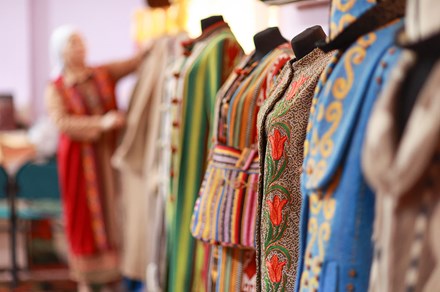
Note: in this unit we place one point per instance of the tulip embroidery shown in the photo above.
(296, 85)
(275, 269)
(276, 210)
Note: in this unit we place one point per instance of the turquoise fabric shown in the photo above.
(38, 194)
(3, 183)
(4, 209)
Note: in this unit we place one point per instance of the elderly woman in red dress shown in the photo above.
(81, 101)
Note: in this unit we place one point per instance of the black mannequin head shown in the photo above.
(158, 3)
(306, 41)
(207, 22)
(267, 40)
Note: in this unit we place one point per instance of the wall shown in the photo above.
(105, 24)
(25, 28)
(15, 74)
(294, 18)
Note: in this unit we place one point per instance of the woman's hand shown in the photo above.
(113, 120)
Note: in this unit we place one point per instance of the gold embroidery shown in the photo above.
(355, 56)
(333, 115)
(344, 7)
(322, 209)
(306, 147)
(319, 236)
(334, 111)
(343, 23)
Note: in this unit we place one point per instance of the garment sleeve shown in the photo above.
(81, 128)
(120, 69)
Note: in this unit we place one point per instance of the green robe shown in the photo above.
(207, 62)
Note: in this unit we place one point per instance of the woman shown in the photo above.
(81, 101)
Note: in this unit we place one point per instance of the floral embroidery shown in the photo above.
(277, 162)
(296, 85)
(276, 210)
(275, 268)
(277, 142)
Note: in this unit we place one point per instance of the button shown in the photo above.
(392, 51)
(172, 198)
(173, 149)
(175, 124)
(383, 64)
(309, 170)
(176, 75)
(379, 80)
(238, 185)
(350, 287)
(187, 53)
(352, 273)
(175, 100)
(171, 173)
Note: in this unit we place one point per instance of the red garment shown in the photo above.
(78, 172)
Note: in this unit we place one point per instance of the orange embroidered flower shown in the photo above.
(275, 269)
(296, 85)
(277, 142)
(276, 210)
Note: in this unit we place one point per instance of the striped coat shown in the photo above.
(204, 66)
(225, 211)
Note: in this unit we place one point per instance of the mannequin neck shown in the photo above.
(207, 22)
(307, 41)
(267, 40)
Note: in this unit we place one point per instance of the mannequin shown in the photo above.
(207, 22)
(307, 40)
(286, 111)
(422, 29)
(158, 3)
(335, 241)
(415, 80)
(267, 40)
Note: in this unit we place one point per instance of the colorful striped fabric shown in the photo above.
(226, 207)
(206, 63)
(225, 211)
(231, 269)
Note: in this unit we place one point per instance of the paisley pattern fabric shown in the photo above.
(338, 207)
(282, 125)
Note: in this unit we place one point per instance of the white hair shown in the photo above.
(58, 42)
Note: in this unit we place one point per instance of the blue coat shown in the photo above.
(338, 207)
